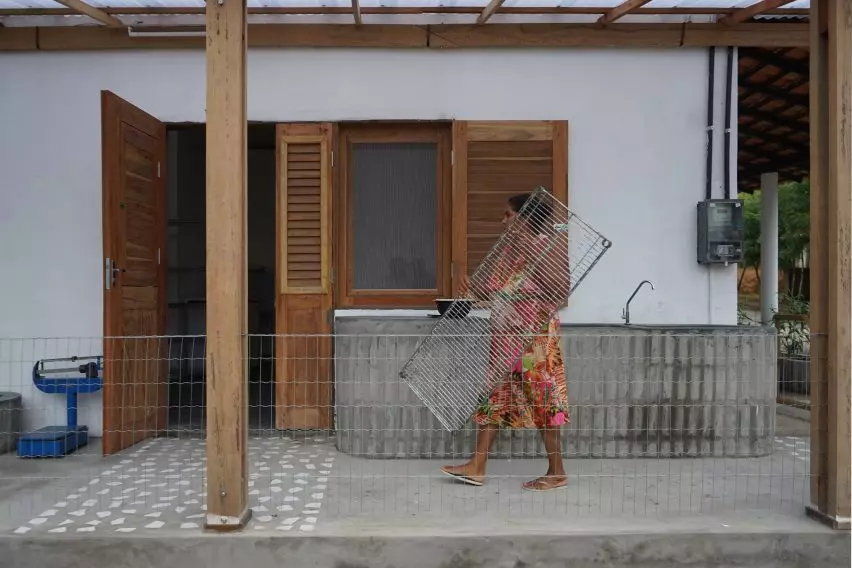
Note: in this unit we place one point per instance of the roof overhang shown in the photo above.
(118, 24)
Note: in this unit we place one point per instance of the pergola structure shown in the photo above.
(436, 24)
(226, 28)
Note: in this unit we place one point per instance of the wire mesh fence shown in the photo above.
(662, 423)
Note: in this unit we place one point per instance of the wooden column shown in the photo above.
(831, 253)
(227, 362)
(818, 253)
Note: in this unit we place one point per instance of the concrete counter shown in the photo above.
(635, 391)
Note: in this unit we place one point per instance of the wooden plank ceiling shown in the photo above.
(773, 115)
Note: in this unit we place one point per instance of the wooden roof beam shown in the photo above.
(749, 12)
(356, 12)
(536, 36)
(785, 140)
(778, 120)
(94, 13)
(488, 11)
(395, 10)
(785, 64)
(621, 10)
(772, 92)
(750, 175)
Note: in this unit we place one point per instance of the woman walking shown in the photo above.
(532, 393)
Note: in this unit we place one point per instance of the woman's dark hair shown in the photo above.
(537, 212)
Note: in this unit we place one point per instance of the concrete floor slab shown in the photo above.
(540, 546)
(314, 506)
(305, 485)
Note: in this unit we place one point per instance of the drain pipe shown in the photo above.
(711, 77)
(728, 87)
(708, 179)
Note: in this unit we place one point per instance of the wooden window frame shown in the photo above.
(354, 133)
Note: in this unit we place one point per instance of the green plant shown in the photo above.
(793, 226)
(793, 304)
(751, 231)
(743, 318)
(794, 334)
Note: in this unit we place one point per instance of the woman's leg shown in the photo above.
(474, 469)
(555, 476)
(552, 444)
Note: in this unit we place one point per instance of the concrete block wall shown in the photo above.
(635, 392)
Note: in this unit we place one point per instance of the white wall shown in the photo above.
(636, 160)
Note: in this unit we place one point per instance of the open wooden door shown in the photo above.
(303, 358)
(494, 160)
(134, 228)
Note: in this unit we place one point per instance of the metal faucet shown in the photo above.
(625, 314)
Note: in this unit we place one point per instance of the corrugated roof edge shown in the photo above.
(784, 19)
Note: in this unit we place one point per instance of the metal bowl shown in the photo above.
(458, 308)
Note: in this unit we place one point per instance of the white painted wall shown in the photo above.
(636, 164)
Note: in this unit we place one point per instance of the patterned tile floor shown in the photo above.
(160, 485)
(799, 448)
(300, 486)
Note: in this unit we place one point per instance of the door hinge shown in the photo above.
(158, 170)
(158, 255)
(332, 158)
(452, 157)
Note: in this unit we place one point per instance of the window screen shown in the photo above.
(394, 216)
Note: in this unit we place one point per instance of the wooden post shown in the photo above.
(840, 256)
(227, 363)
(818, 253)
(831, 253)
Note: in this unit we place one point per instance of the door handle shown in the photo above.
(110, 271)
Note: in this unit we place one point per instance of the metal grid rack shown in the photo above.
(545, 252)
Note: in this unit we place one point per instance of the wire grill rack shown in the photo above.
(545, 252)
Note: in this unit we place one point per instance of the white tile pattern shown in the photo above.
(160, 485)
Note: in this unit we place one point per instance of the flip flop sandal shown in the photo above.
(462, 478)
(533, 486)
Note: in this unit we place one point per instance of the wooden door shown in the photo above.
(494, 160)
(134, 221)
(303, 350)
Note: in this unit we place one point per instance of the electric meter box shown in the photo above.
(720, 231)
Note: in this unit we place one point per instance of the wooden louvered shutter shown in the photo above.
(492, 162)
(303, 301)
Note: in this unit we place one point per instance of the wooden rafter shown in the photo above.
(750, 12)
(77, 38)
(396, 10)
(356, 12)
(95, 13)
(773, 92)
(621, 10)
(783, 140)
(489, 10)
(786, 64)
(776, 118)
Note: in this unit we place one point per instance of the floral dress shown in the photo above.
(531, 392)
